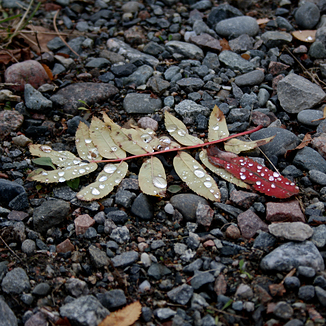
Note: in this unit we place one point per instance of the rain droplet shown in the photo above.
(196, 166)
(77, 140)
(258, 183)
(114, 149)
(181, 132)
(103, 178)
(62, 180)
(61, 173)
(117, 180)
(243, 177)
(46, 180)
(172, 128)
(292, 183)
(165, 140)
(272, 185)
(95, 192)
(259, 167)
(217, 127)
(109, 168)
(46, 149)
(199, 173)
(242, 170)
(146, 138)
(61, 159)
(216, 196)
(271, 178)
(275, 175)
(101, 186)
(159, 182)
(88, 141)
(262, 174)
(207, 184)
(82, 170)
(76, 161)
(44, 173)
(250, 164)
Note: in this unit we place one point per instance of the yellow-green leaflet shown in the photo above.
(59, 158)
(67, 173)
(217, 127)
(101, 137)
(179, 131)
(221, 172)
(152, 178)
(85, 147)
(107, 179)
(197, 179)
(237, 146)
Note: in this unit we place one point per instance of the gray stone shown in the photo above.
(252, 78)
(292, 254)
(188, 50)
(41, 289)
(35, 101)
(241, 44)
(164, 313)
(158, 271)
(28, 246)
(295, 231)
(113, 299)
(263, 97)
(283, 23)
(76, 287)
(244, 291)
(58, 69)
(84, 311)
(8, 318)
(234, 27)
(317, 177)
(125, 259)
(171, 72)
(50, 213)
(306, 117)
(276, 39)
(235, 61)
(98, 257)
(141, 103)
(223, 11)
(319, 236)
(292, 282)
(130, 53)
(188, 108)
(123, 198)
(139, 77)
(82, 26)
(238, 115)
(158, 85)
(309, 159)
(98, 63)
(284, 140)
(321, 295)
(317, 50)
(55, 44)
(306, 292)
(142, 207)
(16, 281)
(307, 16)
(200, 279)
(194, 83)
(120, 235)
(181, 294)
(153, 48)
(306, 272)
(283, 310)
(211, 61)
(9, 189)
(76, 44)
(297, 93)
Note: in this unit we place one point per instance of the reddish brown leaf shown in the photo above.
(277, 289)
(249, 171)
(14, 55)
(305, 141)
(48, 71)
(224, 44)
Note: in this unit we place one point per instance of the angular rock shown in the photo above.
(8, 318)
(16, 281)
(223, 11)
(276, 39)
(249, 223)
(67, 98)
(206, 41)
(234, 27)
(141, 103)
(29, 71)
(181, 294)
(293, 254)
(112, 299)
(252, 78)
(284, 212)
(297, 93)
(294, 231)
(190, 51)
(235, 61)
(309, 159)
(84, 311)
(10, 121)
(35, 101)
(50, 213)
(139, 77)
(142, 207)
(188, 108)
(125, 259)
(98, 257)
(9, 189)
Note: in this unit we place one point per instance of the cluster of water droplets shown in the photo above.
(175, 128)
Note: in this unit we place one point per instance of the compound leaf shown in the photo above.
(152, 178)
(179, 131)
(220, 171)
(107, 179)
(197, 179)
(101, 137)
(217, 127)
(84, 144)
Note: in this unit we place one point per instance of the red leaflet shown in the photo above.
(262, 179)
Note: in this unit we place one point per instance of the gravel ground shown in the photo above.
(249, 259)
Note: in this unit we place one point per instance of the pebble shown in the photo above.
(28, 246)
(201, 278)
(276, 39)
(158, 271)
(10, 121)
(234, 27)
(188, 50)
(112, 299)
(252, 78)
(291, 92)
(181, 294)
(9, 189)
(307, 16)
(141, 103)
(139, 76)
(283, 212)
(35, 101)
(292, 254)
(16, 281)
(125, 259)
(8, 318)
(317, 177)
(29, 70)
(249, 224)
(307, 117)
(41, 289)
(188, 108)
(309, 159)
(283, 310)
(235, 62)
(318, 237)
(294, 231)
(306, 292)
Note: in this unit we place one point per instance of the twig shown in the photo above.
(4, 242)
(180, 148)
(62, 39)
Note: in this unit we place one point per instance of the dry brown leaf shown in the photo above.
(123, 317)
(48, 71)
(307, 36)
(262, 21)
(305, 141)
(14, 55)
(224, 44)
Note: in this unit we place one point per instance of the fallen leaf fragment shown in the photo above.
(123, 317)
(262, 21)
(307, 36)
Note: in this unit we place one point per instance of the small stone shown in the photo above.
(125, 259)
(82, 223)
(309, 159)
(181, 294)
(35, 101)
(8, 318)
(321, 295)
(252, 78)
(306, 292)
(16, 281)
(276, 39)
(317, 177)
(307, 16)
(28, 246)
(287, 211)
(10, 121)
(65, 246)
(235, 62)
(204, 215)
(112, 299)
(147, 122)
(142, 207)
(234, 27)
(97, 63)
(207, 41)
(41, 289)
(310, 117)
(249, 224)
(98, 257)
(283, 310)
(76, 287)
(232, 232)
(27, 71)
(244, 291)
(294, 231)
(292, 282)
(158, 271)
(120, 234)
(188, 50)
(141, 103)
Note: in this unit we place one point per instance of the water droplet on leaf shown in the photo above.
(199, 173)
(46, 149)
(95, 192)
(103, 178)
(109, 168)
(159, 182)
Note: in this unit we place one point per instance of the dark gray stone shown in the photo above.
(142, 207)
(188, 108)
(125, 199)
(235, 61)
(125, 259)
(20, 202)
(234, 27)
(307, 16)
(292, 254)
(188, 50)
(98, 257)
(97, 63)
(41, 289)
(153, 48)
(35, 101)
(181, 294)
(8, 318)
(200, 279)
(306, 292)
(306, 117)
(118, 217)
(50, 213)
(283, 23)
(276, 39)
(317, 50)
(241, 44)
(321, 295)
(309, 159)
(317, 177)
(292, 283)
(16, 281)
(158, 271)
(113, 299)
(139, 77)
(84, 311)
(141, 103)
(283, 310)
(252, 78)
(223, 11)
